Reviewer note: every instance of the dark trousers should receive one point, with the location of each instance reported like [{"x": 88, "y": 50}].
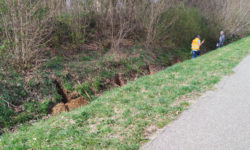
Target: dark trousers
[
  {"x": 195, "y": 54},
  {"x": 219, "y": 45}
]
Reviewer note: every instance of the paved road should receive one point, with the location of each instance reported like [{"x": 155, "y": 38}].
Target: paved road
[{"x": 219, "y": 120}]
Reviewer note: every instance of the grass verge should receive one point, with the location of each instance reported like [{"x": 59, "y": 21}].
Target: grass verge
[{"x": 122, "y": 118}]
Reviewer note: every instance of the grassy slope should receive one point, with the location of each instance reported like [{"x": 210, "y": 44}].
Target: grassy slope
[
  {"x": 36, "y": 92},
  {"x": 120, "y": 118}
]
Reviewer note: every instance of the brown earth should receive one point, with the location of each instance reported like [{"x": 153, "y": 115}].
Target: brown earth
[
  {"x": 59, "y": 108},
  {"x": 73, "y": 104},
  {"x": 118, "y": 80},
  {"x": 70, "y": 101},
  {"x": 69, "y": 106}
]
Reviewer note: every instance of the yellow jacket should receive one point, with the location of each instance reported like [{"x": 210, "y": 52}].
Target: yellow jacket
[{"x": 196, "y": 44}]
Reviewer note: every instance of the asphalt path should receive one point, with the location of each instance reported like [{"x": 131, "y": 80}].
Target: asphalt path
[{"x": 219, "y": 120}]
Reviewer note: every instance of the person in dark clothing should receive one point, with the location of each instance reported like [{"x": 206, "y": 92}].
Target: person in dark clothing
[{"x": 221, "y": 39}]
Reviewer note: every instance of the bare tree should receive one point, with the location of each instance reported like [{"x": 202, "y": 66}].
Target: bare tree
[
  {"x": 124, "y": 17},
  {"x": 121, "y": 17},
  {"x": 233, "y": 16},
  {"x": 150, "y": 12},
  {"x": 27, "y": 26}
]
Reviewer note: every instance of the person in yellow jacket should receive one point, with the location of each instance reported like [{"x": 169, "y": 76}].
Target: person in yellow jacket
[{"x": 196, "y": 44}]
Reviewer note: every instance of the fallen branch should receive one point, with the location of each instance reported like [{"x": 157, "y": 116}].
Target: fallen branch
[{"x": 9, "y": 104}]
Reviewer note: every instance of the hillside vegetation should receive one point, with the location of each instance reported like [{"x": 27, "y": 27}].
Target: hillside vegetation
[
  {"x": 66, "y": 53},
  {"x": 123, "y": 117}
]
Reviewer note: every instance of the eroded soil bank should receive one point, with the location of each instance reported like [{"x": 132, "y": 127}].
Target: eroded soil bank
[
  {"x": 73, "y": 100},
  {"x": 66, "y": 82},
  {"x": 70, "y": 100}
]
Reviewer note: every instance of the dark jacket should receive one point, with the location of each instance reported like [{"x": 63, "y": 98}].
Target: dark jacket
[{"x": 222, "y": 40}]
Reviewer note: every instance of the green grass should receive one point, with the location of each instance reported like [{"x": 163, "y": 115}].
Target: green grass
[
  {"x": 119, "y": 119},
  {"x": 90, "y": 73}
]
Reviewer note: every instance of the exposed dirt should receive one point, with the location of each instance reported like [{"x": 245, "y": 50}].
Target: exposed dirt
[
  {"x": 59, "y": 108},
  {"x": 150, "y": 69},
  {"x": 118, "y": 80},
  {"x": 70, "y": 100},
  {"x": 75, "y": 103}
]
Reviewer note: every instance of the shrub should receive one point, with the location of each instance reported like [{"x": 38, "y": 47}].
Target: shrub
[
  {"x": 30, "y": 107},
  {"x": 12, "y": 88},
  {"x": 23, "y": 117},
  {"x": 5, "y": 115},
  {"x": 189, "y": 22},
  {"x": 46, "y": 106},
  {"x": 70, "y": 29},
  {"x": 229, "y": 15},
  {"x": 55, "y": 63},
  {"x": 68, "y": 86},
  {"x": 85, "y": 90},
  {"x": 27, "y": 27}
]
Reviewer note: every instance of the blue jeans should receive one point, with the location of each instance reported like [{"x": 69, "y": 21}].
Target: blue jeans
[
  {"x": 195, "y": 54},
  {"x": 219, "y": 45}
]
